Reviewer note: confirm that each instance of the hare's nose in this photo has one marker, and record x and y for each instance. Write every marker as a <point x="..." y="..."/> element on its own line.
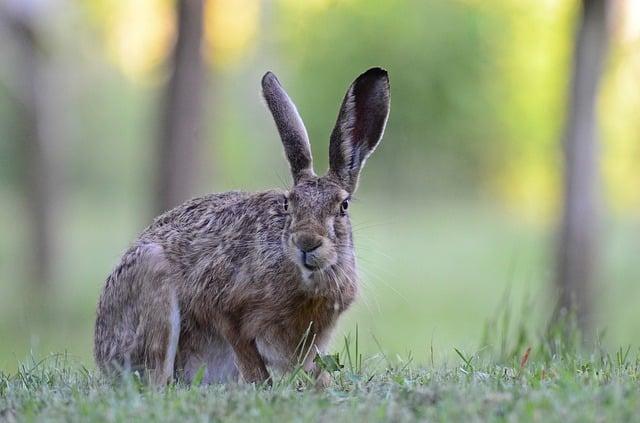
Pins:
<point x="307" y="242"/>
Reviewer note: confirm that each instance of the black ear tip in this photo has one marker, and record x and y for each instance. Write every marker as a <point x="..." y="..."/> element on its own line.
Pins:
<point x="373" y="76"/>
<point x="376" y="72"/>
<point x="269" y="78"/>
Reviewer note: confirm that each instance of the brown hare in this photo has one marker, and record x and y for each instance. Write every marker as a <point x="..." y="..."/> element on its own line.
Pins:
<point x="232" y="282"/>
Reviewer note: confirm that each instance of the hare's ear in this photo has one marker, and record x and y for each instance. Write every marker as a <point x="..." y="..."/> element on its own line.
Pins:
<point x="360" y="126"/>
<point x="292" y="131"/>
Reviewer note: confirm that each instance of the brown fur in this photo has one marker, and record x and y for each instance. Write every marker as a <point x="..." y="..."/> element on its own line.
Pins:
<point x="233" y="281"/>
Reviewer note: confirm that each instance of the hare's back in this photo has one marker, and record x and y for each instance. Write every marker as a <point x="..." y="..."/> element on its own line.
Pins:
<point x="204" y="216"/>
<point x="190" y="212"/>
<point x="238" y="226"/>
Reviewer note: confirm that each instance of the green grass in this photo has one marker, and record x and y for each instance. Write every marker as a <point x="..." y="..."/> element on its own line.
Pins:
<point x="548" y="384"/>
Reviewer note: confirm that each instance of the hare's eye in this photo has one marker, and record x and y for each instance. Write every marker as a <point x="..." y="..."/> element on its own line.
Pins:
<point x="344" y="206"/>
<point x="285" y="204"/>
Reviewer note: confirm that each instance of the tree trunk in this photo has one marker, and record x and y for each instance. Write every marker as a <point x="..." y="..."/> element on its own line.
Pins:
<point x="578" y="245"/>
<point x="180" y="137"/>
<point x="37" y="152"/>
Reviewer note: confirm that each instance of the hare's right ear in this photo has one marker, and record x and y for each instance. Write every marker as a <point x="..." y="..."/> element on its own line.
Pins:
<point x="292" y="131"/>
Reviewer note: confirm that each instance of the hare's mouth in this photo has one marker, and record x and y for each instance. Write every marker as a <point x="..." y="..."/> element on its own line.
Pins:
<point x="308" y="261"/>
<point x="310" y="268"/>
<point x="311" y="262"/>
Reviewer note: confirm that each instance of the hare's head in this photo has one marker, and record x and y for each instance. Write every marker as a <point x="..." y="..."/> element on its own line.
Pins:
<point x="319" y="234"/>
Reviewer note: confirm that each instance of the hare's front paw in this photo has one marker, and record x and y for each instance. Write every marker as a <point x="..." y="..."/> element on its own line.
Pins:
<point x="259" y="376"/>
<point x="323" y="380"/>
<point x="250" y="363"/>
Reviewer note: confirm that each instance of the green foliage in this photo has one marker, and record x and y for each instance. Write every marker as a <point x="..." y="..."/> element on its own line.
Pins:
<point x="197" y="379"/>
<point x="330" y="362"/>
<point x="574" y="388"/>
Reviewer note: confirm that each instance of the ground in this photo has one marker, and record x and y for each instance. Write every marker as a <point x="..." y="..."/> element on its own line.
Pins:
<point x="561" y="386"/>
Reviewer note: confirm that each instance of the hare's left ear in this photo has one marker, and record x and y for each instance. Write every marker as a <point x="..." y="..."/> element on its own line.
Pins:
<point x="289" y="123"/>
<point x="360" y="126"/>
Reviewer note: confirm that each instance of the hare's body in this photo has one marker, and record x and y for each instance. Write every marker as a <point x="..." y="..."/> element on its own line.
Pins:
<point x="167" y="302"/>
<point x="236" y="282"/>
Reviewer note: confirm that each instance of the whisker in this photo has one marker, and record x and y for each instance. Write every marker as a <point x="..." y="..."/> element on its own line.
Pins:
<point x="367" y="225"/>
<point x="283" y="184"/>
<point x="366" y="292"/>
<point x="389" y="286"/>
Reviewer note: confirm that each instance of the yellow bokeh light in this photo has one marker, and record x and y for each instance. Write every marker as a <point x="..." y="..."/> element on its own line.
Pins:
<point x="630" y="28"/>
<point x="307" y="5"/>
<point x="231" y="27"/>
<point x="140" y="34"/>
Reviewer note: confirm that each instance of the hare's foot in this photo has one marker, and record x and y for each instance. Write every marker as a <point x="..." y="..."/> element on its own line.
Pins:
<point x="323" y="380"/>
<point x="310" y="365"/>
<point x="322" y="377"/>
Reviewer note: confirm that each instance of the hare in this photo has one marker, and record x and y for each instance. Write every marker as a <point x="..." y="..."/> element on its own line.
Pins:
<point x="231" y="283"/>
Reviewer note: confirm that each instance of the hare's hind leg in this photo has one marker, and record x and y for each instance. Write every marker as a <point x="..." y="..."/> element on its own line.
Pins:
<point x="160" y="330"/>
<point x="138" y="319"/>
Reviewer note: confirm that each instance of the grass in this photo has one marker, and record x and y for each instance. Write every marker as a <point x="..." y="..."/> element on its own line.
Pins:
<point x="545" y="383"/>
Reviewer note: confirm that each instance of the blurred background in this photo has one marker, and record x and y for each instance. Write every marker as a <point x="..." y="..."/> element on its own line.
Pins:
<point x="509" y="175"/>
